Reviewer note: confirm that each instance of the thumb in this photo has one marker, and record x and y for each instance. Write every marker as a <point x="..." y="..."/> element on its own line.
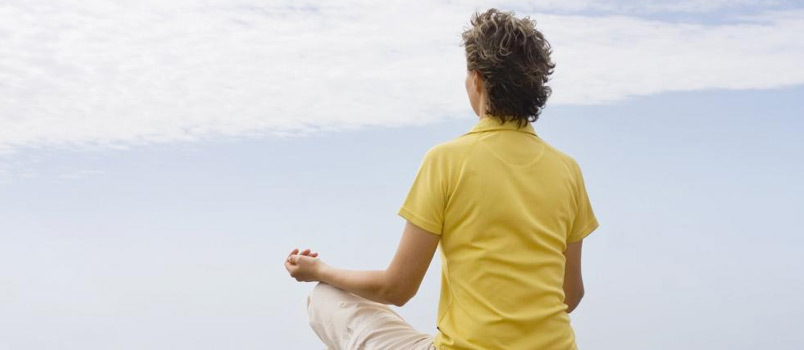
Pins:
<point x="294" y="259"/>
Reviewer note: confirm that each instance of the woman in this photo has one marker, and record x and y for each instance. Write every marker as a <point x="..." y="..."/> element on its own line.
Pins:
<point x="509" y="211"/>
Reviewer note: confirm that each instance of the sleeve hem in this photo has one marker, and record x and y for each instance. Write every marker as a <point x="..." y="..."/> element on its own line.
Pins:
<point x="418" y="221"/>
<point x="583" y="233"/>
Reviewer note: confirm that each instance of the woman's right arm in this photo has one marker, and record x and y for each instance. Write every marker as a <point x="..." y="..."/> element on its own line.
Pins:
<point x="573" y="282"/>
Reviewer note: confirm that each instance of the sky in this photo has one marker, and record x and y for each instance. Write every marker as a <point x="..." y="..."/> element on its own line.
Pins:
<point x="158" y="161"/>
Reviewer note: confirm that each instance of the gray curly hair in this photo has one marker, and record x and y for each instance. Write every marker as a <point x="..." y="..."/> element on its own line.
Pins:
<point x="513" y="58"/>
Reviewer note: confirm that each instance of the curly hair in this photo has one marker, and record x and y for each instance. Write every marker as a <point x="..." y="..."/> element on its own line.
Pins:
<point x="513" y="58"/>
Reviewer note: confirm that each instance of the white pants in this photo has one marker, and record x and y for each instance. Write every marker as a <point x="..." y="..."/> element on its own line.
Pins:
<point x="345" y="321"/>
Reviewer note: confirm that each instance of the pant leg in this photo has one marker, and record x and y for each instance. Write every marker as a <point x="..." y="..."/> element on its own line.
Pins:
<point x="345" y="321"/>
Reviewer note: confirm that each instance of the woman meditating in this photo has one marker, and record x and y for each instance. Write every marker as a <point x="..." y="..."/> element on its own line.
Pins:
<point x="508" y="210"/>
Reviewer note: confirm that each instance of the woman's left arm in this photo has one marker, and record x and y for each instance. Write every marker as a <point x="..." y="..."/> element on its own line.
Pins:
<point x="395" y="285"/>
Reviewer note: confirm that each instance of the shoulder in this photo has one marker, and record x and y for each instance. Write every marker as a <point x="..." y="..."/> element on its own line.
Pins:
<point x="451" y="151"/>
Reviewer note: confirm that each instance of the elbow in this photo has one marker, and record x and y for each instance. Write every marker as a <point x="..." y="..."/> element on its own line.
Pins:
<point x="398" y="296"/>
<point x="574" y="301"/>
<point x="400" y="302"/>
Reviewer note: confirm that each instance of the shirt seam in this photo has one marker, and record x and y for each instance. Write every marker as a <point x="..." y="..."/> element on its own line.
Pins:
<point x="433" y="228"/>
<point x="584" y="232"/>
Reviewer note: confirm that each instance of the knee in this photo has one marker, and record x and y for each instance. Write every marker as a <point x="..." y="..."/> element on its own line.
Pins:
<point x="329" y="315"/>
<point x="322" y="300"/>
<point x="321" y="292"/>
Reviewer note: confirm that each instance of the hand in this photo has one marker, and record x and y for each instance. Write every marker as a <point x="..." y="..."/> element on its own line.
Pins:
<point x="303" y="266"/>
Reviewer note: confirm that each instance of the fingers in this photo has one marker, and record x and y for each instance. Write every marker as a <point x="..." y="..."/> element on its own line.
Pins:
<point x="294" y="254"/>
<point x="309" y="252"/>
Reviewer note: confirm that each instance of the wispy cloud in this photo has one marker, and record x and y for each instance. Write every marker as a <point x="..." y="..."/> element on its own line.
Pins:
<point x="112" y="74"/>
<point x="79" y="174"/>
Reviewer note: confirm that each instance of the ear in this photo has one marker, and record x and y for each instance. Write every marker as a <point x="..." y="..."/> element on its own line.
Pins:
<point x="477" y="80"/>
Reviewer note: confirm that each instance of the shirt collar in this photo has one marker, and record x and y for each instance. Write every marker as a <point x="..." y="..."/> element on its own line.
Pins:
<point x="489" y="123"/>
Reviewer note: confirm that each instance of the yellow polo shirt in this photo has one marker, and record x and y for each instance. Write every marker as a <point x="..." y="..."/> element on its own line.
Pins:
<point x="505" y="204"/>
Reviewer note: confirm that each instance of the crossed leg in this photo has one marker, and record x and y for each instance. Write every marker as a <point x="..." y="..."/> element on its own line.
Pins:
<point x="345" y="321"/>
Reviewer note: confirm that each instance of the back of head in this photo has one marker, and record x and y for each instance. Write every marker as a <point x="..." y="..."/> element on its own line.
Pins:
<point x="513" y="58"/>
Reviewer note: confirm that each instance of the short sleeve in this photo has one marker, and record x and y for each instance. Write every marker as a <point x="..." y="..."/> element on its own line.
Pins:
<point x="425" y="202"/>
<point x="585" y="221"/>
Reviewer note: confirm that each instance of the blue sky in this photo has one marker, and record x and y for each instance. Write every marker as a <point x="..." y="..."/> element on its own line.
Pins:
<point x="149" y="194"/>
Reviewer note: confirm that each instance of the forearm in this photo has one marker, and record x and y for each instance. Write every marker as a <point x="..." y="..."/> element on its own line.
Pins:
<point x="370" y="284"/>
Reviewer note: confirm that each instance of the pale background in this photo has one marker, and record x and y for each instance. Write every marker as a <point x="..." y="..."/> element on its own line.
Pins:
<point x="158" y="160"/>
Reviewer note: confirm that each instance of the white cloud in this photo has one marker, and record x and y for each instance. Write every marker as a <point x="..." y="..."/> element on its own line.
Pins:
<point x="112" y="74"/>
<point x="609" y="59"/>
<point x="634" y="7"/>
